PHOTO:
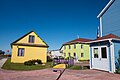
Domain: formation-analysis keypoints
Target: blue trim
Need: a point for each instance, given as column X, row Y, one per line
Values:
column 115, row 41
column 99, row 43
column 110, row 64
column 90, row 57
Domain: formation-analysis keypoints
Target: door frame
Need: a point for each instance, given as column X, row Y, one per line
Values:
column 100, row 59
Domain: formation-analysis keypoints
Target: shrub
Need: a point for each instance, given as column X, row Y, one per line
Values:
column 29, row 63
column 32, row 62
column 67, row 58
column 118, row 71
column 39, row 61
column 61, row 57
column 49, row 59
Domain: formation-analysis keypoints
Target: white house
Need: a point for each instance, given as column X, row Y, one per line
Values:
column 54, row 53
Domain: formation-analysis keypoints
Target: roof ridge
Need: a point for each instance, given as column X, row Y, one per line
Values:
column 77, row 40
column 114, row 35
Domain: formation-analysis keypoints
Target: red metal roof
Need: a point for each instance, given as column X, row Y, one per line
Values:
column 108, row 36
column 79, row 40
column 82, row 40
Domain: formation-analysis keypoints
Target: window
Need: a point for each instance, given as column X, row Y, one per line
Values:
column 64, row 54
column 74, row 46
column 95, row 52
column 20, row 51
column 74, row 55
column 64, row 47
column 68, row 54
column 81, row 46
column 103, row 52
column 31, row 39
column 69, row 46
column 82, row 54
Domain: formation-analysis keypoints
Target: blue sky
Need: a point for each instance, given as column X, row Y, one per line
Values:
column 55, row 21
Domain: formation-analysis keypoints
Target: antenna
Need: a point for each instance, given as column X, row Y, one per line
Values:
column 77, row 36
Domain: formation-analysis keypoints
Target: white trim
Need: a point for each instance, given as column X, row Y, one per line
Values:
column 106, row 7
column 116, row 39
column 99, row 40
column 112, row 57
column 90, row 49
column 92, row 57
column 101, row 26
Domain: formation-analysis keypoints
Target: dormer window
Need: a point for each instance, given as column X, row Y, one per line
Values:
column 31, row 39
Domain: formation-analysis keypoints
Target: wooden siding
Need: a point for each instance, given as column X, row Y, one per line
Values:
column 111, row 19
column 116, row 53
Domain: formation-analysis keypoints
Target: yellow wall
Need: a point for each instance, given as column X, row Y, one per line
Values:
column 29, row 54
column 78, row 51
column 29, row 51
column 37, row 39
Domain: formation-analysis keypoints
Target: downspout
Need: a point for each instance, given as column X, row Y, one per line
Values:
column 101, row 26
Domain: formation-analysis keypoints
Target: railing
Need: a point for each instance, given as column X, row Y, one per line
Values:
column 68, row 62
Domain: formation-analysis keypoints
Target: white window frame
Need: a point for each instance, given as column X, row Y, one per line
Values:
column 21, row 51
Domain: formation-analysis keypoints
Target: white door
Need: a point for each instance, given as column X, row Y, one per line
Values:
column 100, row 58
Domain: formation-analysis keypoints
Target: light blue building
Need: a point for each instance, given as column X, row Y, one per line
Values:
column 105, row 51
column 110, row 18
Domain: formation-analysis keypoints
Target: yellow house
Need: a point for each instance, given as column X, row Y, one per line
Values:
column 28, row 47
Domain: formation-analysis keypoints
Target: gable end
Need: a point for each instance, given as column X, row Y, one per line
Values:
column 15, row 42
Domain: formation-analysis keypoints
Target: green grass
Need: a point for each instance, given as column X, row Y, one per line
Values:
column 77, row 68
column 20, row 66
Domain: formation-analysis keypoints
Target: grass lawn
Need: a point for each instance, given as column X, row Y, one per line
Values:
column 20, row 66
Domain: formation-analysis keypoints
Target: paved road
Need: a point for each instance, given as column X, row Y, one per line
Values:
column 2, row 61
column 48, row 74
column 88, row 75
